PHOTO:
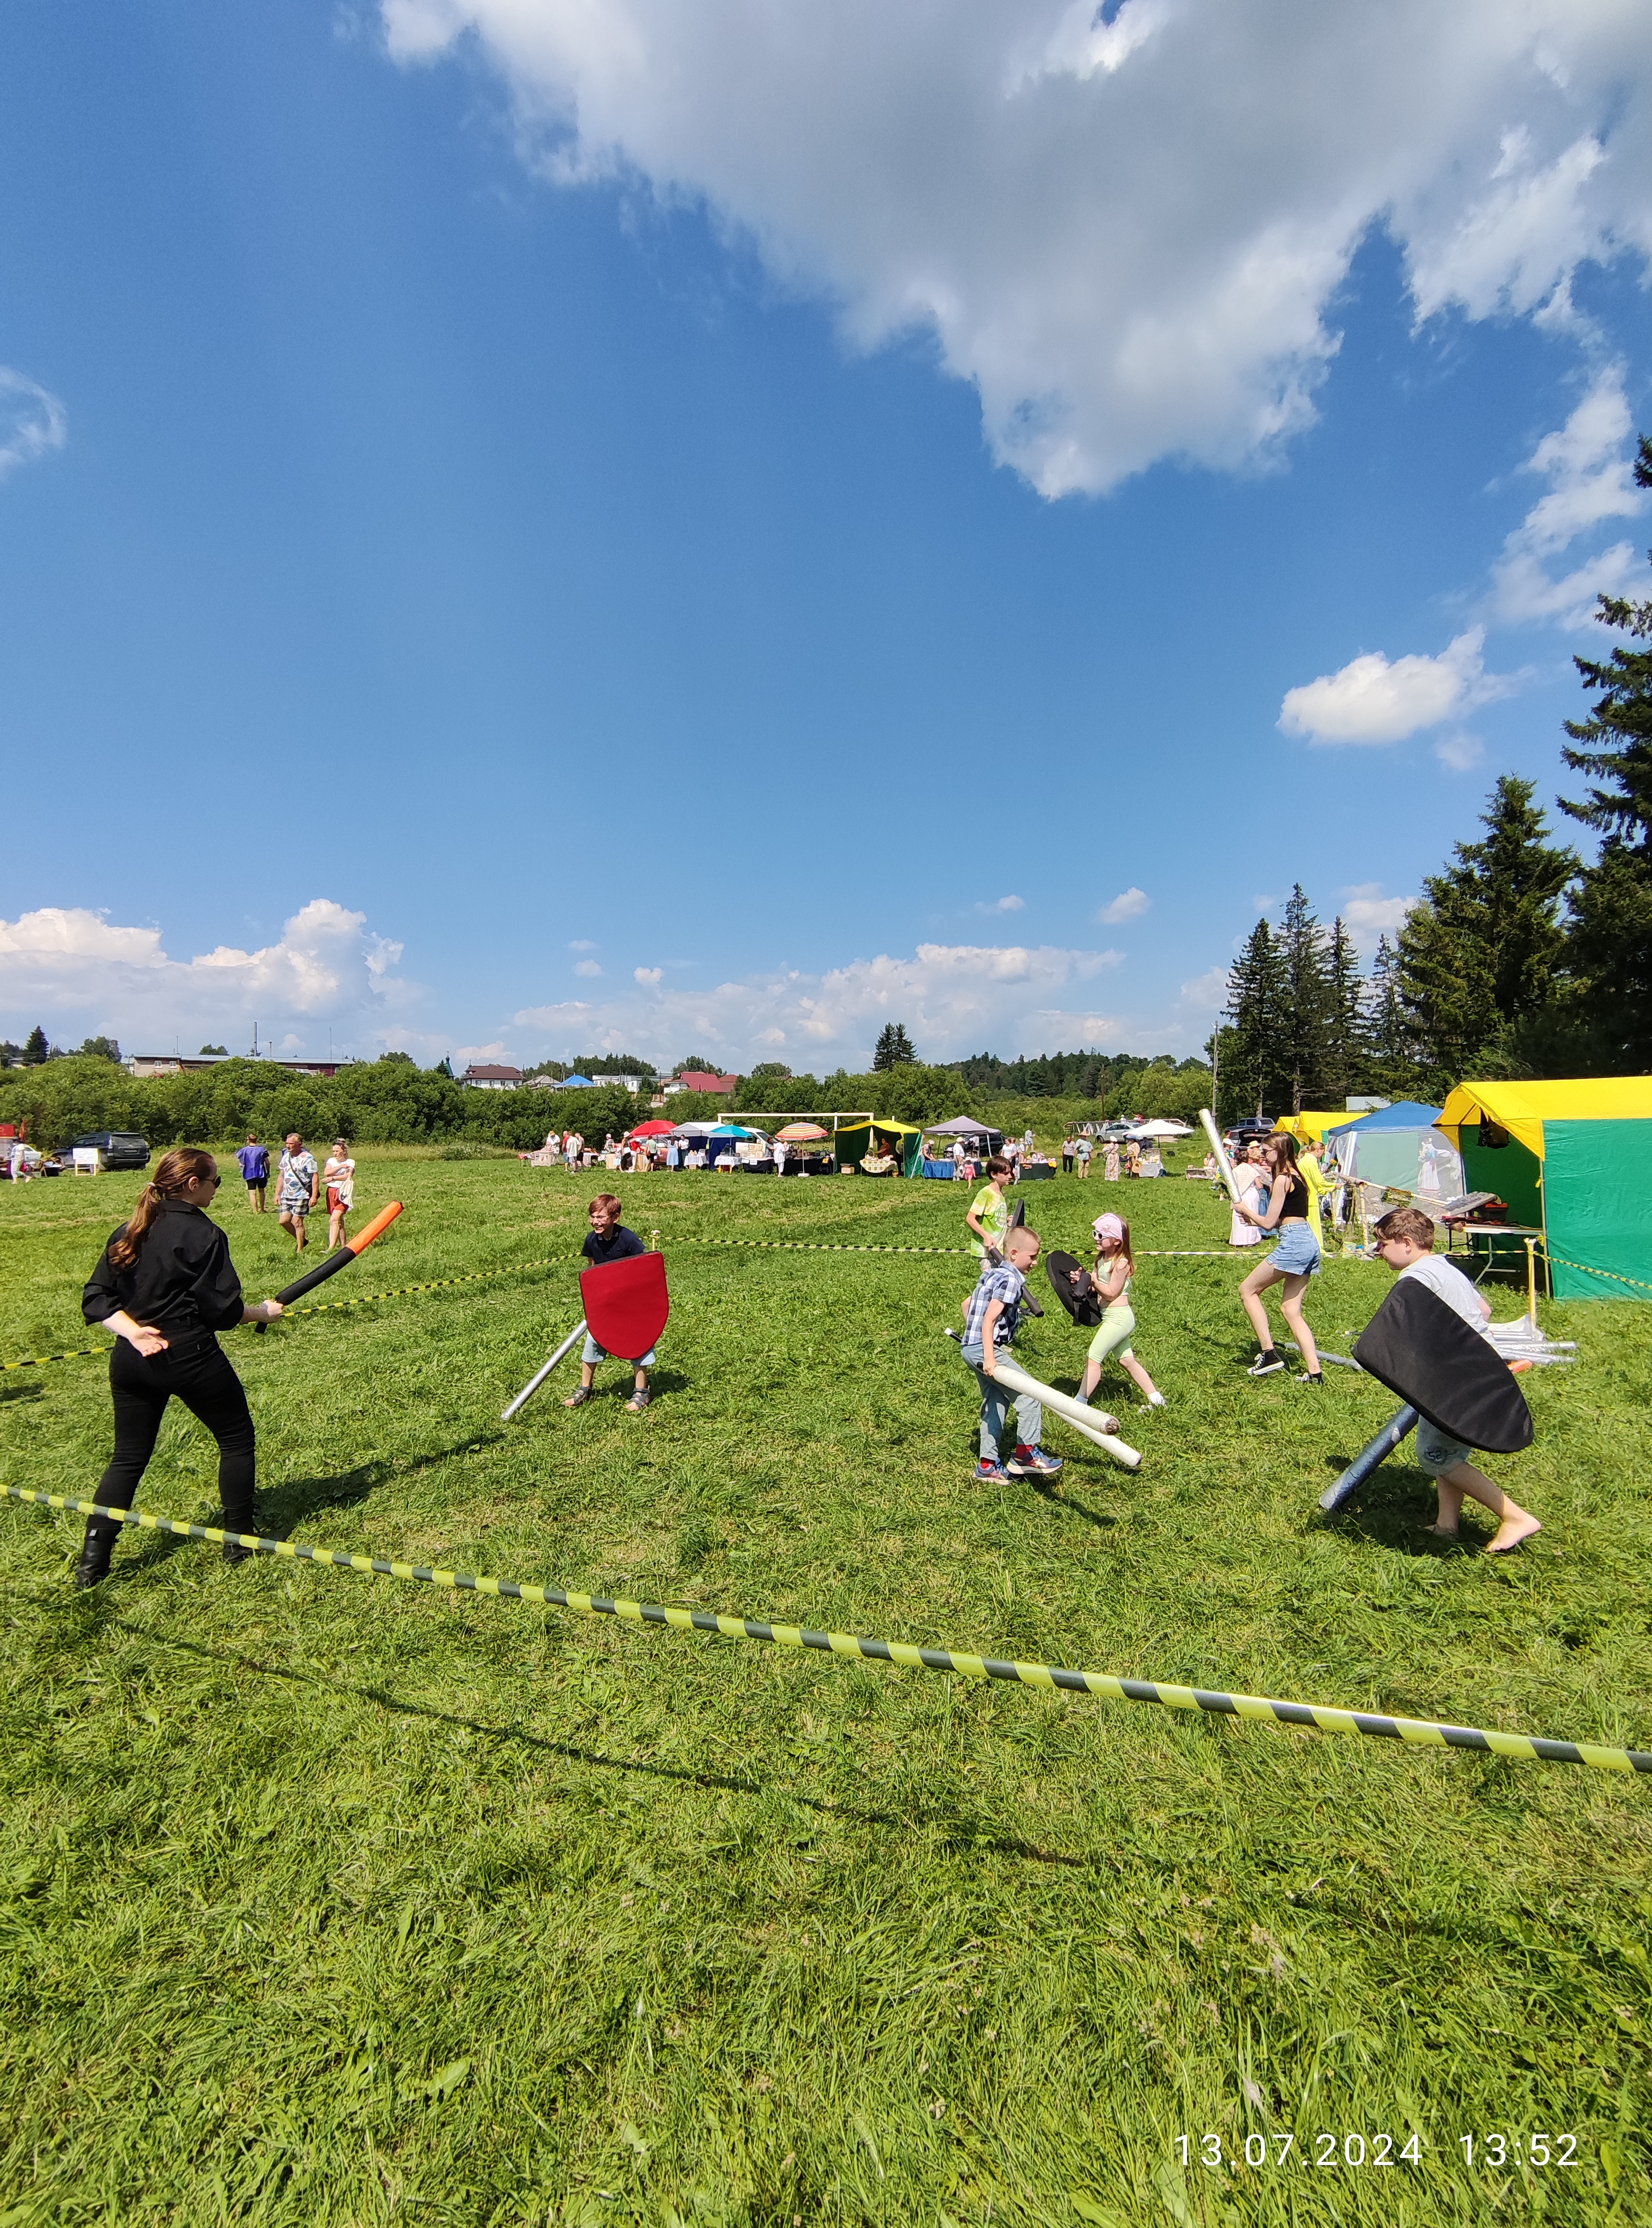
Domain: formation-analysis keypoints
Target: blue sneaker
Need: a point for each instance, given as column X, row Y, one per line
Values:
column 990, row 1473
column 1033, row 1462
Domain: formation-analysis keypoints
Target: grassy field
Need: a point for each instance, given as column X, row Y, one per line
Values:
column 330, row 1899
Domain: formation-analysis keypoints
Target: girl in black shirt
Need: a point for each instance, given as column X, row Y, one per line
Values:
column 165, row 1287
column 1293, row 1261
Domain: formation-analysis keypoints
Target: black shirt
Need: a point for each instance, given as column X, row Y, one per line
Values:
column 620, row 1245
column 182, row 1284
column 1296, row 1199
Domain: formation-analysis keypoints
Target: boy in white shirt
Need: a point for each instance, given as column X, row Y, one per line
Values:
column 1405, row 1242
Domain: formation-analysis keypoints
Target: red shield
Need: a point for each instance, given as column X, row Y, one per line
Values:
column 626, row 1303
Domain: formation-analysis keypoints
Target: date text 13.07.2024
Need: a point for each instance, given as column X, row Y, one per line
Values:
column 1327, row 2150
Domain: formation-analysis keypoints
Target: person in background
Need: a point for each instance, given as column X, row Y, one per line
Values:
column 1082, row 1151
column 255, row 1171
column 1028, row 1142
column 17, row 1162
column 1252, row 1178
column 606, row 1240
column 299, row 1188
column 1132, row 1158
column 957, row 1157
column 779, row 1156
column 1110, row 1161
column 1069, row 1146
column 339, row 1176
column 989, row 1216
column 165, row 1286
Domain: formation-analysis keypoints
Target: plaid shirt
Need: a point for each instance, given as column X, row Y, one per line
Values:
column 1003, row 1283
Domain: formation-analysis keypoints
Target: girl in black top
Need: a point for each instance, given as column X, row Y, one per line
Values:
column 165, row 1287
column 1293, row 1261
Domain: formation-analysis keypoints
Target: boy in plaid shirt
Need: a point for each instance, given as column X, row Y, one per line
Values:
column 991, row 1315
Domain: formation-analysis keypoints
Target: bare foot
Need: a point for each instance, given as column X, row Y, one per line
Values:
column 1511, row 1532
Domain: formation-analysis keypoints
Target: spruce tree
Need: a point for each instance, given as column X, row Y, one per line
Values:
column 1608, row 950
column 1481, row 952
column 1347, row 1050
column 1253, row 1076
column 35, row 1047
column 1305, row 1050
column 894, row 1048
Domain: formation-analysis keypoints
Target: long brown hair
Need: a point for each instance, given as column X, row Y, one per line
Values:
column 175, row 1173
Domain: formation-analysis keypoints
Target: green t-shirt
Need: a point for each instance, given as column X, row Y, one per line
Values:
column 990, row 1208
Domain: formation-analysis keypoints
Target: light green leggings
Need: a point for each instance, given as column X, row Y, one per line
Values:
column 1113, row 1334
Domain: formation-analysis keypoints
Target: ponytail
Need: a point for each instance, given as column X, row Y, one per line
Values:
column 173, row 1176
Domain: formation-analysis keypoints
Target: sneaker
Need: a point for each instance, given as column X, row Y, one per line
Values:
column 1156, row 1400
column 1308, row 1376
column 234, row 1553
column 1265, row 1364
column 1033, row 1462
column 990, row 1473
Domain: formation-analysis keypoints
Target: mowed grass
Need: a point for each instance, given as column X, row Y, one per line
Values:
column 328, row 1899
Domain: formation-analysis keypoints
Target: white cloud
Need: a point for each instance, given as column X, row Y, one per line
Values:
column 953, row 999
column 1371, row 700
column 32, row 422
column 648, row 976
column 587, row 967
column 463, row 1056
column 1000, row 905
column 1128, row 235
column 1128, row 905
column 582, row 944
column 1206, row 993
column 1587, row 465
column 1367, row 914
column 80, row 974
column 1459, row 752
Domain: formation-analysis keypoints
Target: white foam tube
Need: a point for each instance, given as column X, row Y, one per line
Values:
column 533, row 1383
column 1071, row 1411
column 1369, row 1457
column 1220, row 1151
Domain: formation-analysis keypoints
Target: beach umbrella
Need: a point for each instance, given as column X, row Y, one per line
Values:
column 733, row 1129
column 652, row 1130
column 801, row 1133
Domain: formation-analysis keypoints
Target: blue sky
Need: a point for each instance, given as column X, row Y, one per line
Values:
column 527, row 530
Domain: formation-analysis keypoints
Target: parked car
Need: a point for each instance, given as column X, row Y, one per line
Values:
column 121, row 1148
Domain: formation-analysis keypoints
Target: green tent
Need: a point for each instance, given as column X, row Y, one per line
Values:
column 1574, row 1160
column 853, row 1141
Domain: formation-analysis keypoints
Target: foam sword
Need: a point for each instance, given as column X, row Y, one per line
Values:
column 341, row 1259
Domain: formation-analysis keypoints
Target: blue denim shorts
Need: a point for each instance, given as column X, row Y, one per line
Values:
column 1297, row 1252
column 593, row 1354
column 1437, row 1450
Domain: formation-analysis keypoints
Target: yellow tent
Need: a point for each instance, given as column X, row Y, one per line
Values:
column 1308, row 1128
column 1574, row 1160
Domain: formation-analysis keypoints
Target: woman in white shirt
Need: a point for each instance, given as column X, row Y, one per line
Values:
column 1253, row 1182
column 339, row 1178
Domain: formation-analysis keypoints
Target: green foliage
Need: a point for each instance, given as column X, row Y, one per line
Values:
column 207, row 1051
column 35, row 1048
column 96, row 1048
column 1086, row 1075
column 329, row 1900
column 893, row 1048
column 695, row 1065
column 1253, row 1074
column 1481, row 952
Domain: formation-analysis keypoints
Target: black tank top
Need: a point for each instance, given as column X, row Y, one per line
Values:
column 1296, row 1199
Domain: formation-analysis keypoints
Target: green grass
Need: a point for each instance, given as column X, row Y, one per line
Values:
column 333, row 1899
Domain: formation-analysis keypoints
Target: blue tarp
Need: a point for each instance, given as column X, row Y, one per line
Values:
column 1406, row 1114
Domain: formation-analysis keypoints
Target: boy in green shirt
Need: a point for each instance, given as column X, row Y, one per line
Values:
column 989, row 1215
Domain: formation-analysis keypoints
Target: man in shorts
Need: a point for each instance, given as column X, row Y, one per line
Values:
column 255, row 1168
column 298, row 1189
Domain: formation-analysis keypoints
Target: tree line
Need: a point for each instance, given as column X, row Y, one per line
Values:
column 1521, row 958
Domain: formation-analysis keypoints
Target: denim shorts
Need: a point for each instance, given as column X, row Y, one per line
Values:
column 1297, row 1252
column 1437, row 1450
column 594, row 1353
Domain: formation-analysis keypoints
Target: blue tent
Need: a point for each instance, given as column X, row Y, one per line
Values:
column 576, row 1083
column 1399, row 1146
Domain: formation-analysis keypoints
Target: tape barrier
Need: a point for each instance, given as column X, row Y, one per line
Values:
column 1589, row 1270
column 1415, row 1732
column 40, row 1360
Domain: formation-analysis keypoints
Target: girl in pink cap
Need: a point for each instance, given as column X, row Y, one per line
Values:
column 1113, row 1273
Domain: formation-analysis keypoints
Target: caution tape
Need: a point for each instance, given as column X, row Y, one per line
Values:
column 810, row 1246
column 40, row 1360
column 1559, row 1260
column 1415, row 1732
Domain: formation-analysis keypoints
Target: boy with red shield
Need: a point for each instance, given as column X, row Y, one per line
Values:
column 608, row 1241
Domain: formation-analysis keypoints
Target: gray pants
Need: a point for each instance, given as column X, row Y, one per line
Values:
column 997, row 1404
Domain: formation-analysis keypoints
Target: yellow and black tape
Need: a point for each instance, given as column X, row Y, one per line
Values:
column 1415, row 1732
column 39, row 1361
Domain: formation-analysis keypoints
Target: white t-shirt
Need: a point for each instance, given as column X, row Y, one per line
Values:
column 1449, row 1283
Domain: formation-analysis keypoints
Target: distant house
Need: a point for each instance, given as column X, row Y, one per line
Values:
column 491, row 1078
column 718, row 1086
column 146, row 1066
column 631, row 1082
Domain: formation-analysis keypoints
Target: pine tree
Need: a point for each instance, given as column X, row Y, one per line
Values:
column 1481, row 952
column 1608, row 950
column 1307, row 1018
column 894, row 1048
column 1347, row 1050
column 1258, row 992
column 35, row 1048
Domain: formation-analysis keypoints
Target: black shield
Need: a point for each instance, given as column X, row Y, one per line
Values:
column 1425, row 1351
column 1080, row 1300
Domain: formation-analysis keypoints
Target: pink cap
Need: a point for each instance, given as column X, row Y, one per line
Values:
column 1108, row 1226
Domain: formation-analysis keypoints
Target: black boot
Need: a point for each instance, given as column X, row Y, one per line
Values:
column 232, row 1553
column 95, row 1551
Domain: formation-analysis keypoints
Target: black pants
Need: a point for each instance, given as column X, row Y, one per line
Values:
column 1066, row 1164
column 209, row 1388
